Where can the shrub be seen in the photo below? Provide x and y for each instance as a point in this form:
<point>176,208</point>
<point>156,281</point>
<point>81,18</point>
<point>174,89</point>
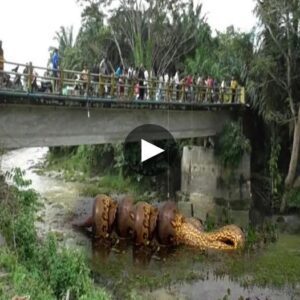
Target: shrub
<point>231,145</point>
<point>293,198</point>
<point>39,269</point>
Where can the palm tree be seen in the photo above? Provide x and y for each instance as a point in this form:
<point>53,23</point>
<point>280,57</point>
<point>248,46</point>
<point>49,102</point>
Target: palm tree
<point>69,52</point>
<point>64,37</point>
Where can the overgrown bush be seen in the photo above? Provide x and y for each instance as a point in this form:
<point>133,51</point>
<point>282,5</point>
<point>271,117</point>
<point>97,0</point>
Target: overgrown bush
<point>17,211</point>
<point>40,269</point>
<point>89,159</point>
<point>231,145</point>
<point>293,198</point>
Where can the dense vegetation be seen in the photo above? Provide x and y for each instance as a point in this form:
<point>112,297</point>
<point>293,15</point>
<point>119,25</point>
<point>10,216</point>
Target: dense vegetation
<point>166,36</point>
<point>231,146</point>
<point>33,267</point>
<point>169,35</point>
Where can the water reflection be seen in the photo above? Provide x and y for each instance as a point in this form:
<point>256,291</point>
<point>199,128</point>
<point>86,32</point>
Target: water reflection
<point>101,250</point>
<point>117,263</point>
<point>141,256</point>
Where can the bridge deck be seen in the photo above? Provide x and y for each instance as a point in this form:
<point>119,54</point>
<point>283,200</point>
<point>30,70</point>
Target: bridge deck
<point>68,87</point>
<point>19,97</point>
<point>62,111</point>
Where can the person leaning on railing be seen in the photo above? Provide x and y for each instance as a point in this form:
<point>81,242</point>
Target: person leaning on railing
<point>234,87</point>
<point>1,63</point>
<point>85,79</point>
<point>177,83</point>
<point>119,74</point>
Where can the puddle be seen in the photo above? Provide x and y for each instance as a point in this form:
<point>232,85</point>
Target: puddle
<point>125,271</point>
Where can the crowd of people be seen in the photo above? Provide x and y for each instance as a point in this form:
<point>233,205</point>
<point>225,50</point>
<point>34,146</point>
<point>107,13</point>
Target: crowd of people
<point>103,80</point>
<point>164,87</point>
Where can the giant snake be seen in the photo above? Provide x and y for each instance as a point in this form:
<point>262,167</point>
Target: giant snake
<point>144,222</point>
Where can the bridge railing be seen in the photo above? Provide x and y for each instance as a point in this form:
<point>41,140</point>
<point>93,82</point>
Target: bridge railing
<point>78,84</point>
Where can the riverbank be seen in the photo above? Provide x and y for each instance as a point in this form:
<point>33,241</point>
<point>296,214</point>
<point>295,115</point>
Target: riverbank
<point>270,271</point>
<point>77,167</point>
<point>32,267</point>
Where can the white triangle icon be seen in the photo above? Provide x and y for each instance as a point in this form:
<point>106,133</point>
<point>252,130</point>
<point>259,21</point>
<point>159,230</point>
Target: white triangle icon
<point>149,150</point>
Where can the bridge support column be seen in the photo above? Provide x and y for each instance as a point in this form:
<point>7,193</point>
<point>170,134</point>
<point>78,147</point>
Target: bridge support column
<point>208,189</point>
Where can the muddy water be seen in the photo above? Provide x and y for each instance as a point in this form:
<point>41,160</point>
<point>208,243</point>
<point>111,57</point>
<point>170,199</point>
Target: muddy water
<point>59,199</point>
<point>126,272</point>
<point>28,160</point>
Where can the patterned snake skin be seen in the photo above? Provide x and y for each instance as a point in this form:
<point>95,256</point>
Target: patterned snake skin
<point>144,222</point>
<point>229,237</point>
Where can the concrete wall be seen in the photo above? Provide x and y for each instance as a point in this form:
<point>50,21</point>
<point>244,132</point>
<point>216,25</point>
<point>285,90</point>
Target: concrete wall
<point>213,189</point>
<point>38,125</point>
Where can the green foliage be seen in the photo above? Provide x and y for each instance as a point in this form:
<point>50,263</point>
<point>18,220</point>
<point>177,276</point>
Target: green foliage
<point>91,160</point>
<point>40,269</point>
<point>251,238</point>
<point>159,34</point>
<point>260,236</point>
<point>226,55</point>
<point>278,266</point>
<point>272,85</point>
<point>293,198</point>
<point>17,216</point>
<point>63,269</point>
<point>231,146</point>
<point>49,275</point>
<point>210,223</point>
<point>276,177</point>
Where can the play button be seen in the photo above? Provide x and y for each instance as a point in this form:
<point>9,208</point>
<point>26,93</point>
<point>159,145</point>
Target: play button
<point>150,150</point>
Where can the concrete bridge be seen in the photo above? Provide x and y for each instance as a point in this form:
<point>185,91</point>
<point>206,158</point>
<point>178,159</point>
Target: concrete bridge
<point>32,120</point>
<point>61,111</point>
<point>31,116</point>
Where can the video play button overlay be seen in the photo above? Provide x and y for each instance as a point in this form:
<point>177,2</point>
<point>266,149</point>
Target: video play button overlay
<point>150,150</point>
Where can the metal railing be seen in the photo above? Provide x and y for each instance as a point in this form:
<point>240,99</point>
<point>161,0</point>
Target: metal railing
<point>70,83</point>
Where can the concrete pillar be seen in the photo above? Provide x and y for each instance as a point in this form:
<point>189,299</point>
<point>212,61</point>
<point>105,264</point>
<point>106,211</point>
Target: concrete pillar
<point>213,189</point>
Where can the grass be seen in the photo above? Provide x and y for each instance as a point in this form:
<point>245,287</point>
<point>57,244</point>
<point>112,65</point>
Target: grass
<point>123,278</point>
<point>278,265</point>
<point>75,167</point>
<point>115,184</point>
<point>106,183</point>
<point>30,266</point>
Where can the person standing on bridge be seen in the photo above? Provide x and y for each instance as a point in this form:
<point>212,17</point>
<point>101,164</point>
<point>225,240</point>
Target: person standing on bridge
<point>55,66</point>
<point>141,76</point>
<point>223,91</point>
<point>177,83</point>
<point>103,67</point>
<point>85,79</point>
<point>233,86</point>
<point>103,71</point>
<point>120,76</point>
<point>1,63</point>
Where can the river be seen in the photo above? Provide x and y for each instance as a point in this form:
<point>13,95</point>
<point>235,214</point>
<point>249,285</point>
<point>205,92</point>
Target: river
<point>124,272</point>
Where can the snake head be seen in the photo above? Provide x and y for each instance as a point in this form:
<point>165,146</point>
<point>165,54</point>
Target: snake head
<point>229,237</point>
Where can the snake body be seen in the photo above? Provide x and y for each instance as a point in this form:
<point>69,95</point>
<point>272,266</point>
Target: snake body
<point>144,222</point>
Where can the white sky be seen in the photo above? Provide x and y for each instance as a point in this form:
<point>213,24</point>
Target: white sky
<point>27,27</point>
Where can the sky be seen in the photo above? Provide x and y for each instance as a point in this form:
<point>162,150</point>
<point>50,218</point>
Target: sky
<point>27,27</point>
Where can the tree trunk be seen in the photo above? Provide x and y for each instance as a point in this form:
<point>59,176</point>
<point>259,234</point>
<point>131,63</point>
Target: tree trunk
<point>291,176</point>
<point>118,47</point>
<point>297,183</point>
<point>295,154</point>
